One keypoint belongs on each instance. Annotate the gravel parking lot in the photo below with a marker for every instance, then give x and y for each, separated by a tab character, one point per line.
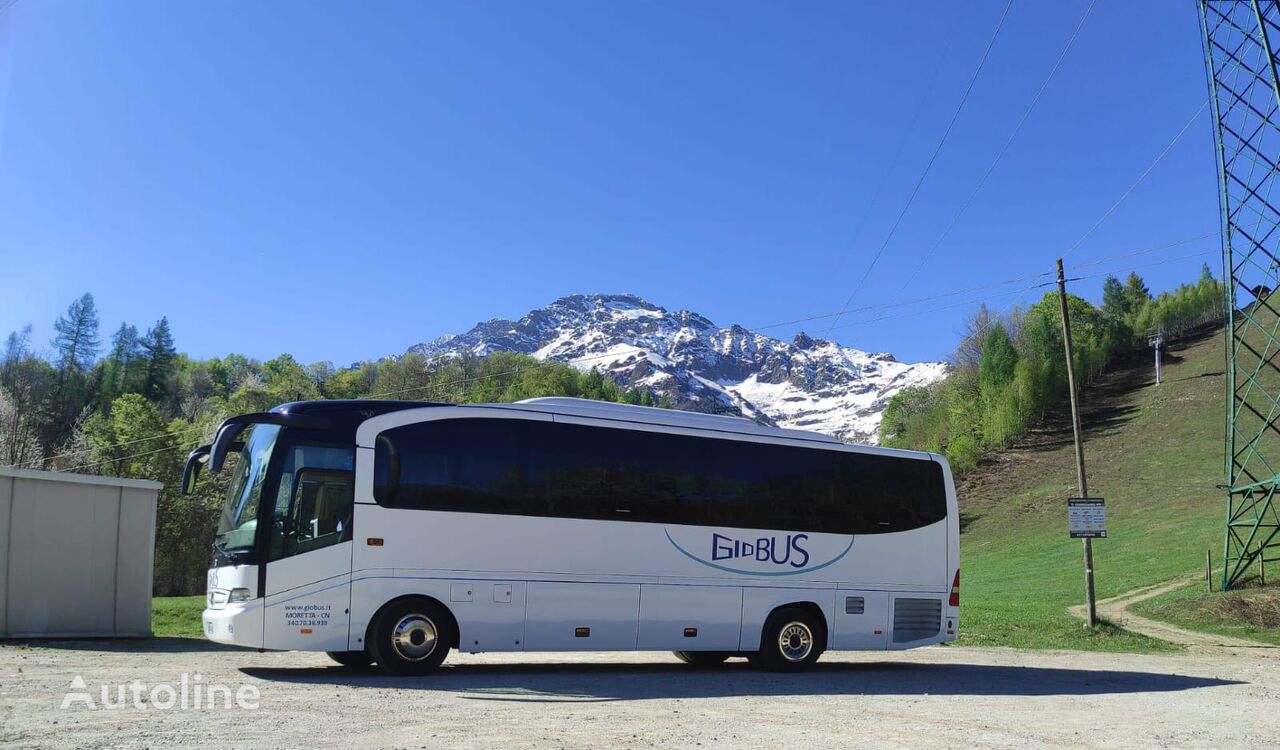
935	697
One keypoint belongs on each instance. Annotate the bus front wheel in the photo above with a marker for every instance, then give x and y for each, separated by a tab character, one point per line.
411	637
792	641
702	658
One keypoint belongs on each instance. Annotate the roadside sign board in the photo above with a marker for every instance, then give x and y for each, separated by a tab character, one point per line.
1086	517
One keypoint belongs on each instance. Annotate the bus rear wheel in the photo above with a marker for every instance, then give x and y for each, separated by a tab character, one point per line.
351	659
411	637
702	658
791	641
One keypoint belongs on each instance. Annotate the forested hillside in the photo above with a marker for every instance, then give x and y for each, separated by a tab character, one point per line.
1010	368
133	406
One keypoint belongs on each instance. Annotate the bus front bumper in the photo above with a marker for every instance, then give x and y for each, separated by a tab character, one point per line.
235	624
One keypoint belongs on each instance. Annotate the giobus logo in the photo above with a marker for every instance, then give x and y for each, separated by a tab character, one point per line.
760	554
777	550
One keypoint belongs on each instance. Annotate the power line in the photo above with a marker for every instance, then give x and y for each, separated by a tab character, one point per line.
916	301
1199	254
929	165
992	285
902	142
1107	214
1144	251
1004	148
122	458
1025	290
1132	187
46	459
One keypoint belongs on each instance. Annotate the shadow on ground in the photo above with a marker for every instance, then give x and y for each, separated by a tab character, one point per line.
164	645
554	683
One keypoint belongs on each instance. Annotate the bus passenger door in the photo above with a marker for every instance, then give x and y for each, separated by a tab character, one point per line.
308	578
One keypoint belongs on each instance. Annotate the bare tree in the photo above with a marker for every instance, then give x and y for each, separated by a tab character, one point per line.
972	333
77	451
19	443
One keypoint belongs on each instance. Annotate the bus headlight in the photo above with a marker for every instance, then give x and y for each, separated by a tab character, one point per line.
238	595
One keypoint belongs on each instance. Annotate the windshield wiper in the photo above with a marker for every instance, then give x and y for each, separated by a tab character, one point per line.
222	551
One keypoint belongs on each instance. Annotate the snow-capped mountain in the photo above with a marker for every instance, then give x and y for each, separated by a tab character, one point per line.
806	383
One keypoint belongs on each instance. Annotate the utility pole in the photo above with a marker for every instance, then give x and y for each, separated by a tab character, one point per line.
1156	342
1091	606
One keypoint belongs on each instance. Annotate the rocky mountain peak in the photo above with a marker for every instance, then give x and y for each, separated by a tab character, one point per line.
805	384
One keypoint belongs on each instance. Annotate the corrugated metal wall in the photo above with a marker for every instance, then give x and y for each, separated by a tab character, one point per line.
76	554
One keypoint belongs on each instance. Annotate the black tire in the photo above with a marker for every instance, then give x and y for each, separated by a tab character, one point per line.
351	659
702	658
792	640
411	637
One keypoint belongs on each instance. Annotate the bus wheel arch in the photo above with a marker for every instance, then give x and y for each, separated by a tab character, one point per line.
411	634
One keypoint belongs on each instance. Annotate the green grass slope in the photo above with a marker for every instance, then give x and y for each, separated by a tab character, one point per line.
1154	452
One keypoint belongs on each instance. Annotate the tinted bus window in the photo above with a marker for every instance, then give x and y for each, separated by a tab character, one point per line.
574	471
457	464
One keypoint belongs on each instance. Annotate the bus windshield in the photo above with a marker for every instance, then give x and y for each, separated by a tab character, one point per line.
239	521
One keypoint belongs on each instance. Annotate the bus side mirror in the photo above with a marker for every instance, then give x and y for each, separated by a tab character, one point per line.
191	469
189	477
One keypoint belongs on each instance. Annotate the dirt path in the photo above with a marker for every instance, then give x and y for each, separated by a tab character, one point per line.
1116	611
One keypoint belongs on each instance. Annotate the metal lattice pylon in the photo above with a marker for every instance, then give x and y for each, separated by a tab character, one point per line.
1244	91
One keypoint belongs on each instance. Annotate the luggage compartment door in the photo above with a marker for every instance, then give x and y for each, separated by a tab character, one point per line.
862	620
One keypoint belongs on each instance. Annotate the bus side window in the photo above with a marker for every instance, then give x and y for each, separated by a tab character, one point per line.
321	511
894	494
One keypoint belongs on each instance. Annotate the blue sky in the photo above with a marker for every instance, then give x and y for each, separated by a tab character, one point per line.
342	180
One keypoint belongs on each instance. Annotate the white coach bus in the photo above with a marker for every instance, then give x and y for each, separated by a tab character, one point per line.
391	532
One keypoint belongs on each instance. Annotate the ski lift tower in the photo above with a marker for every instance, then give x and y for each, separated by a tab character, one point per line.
1156	342
1244	92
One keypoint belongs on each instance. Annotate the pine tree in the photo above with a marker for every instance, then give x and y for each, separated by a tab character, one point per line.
76	346
121	372
593	386
999	359
1115	303
1136	293
159	353
1117	310
77	340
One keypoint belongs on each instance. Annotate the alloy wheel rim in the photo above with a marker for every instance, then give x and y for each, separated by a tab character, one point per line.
795	641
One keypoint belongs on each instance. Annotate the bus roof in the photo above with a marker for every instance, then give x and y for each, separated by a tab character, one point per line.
582	407
346	416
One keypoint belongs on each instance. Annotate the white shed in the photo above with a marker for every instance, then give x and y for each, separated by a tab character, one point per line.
76	554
